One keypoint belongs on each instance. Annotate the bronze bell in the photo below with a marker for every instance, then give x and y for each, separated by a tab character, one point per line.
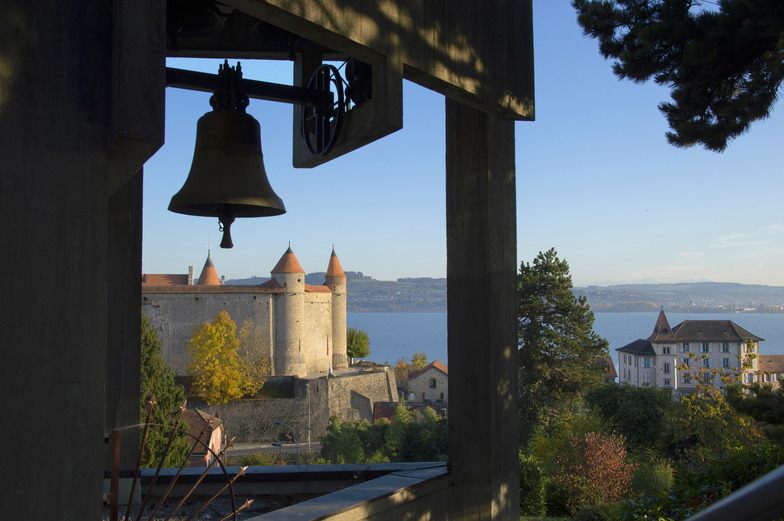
227	177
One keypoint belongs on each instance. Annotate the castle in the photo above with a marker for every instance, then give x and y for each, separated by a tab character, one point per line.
301	328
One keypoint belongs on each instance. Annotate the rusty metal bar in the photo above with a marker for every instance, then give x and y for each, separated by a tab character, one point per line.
203	474
248	502
154	480
179	471
218	493
150	404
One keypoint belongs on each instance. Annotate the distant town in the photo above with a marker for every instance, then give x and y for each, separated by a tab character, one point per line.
428	295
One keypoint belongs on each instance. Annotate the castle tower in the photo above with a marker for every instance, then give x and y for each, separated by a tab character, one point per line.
208	277
289	317
336	281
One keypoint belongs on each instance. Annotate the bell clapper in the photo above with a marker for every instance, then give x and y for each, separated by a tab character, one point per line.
224	225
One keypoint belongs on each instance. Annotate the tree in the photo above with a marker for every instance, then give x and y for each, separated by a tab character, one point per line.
557	348
636	412
217	370
724	66
592	470
418	361
403	367
357	343
157	379
253	351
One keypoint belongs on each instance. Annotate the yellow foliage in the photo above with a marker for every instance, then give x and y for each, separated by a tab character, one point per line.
219	374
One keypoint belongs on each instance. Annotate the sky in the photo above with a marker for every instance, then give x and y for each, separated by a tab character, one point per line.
596	180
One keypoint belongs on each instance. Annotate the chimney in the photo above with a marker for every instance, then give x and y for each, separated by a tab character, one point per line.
190	275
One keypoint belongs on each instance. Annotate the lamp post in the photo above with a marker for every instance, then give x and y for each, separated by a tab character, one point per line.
296	438
280	451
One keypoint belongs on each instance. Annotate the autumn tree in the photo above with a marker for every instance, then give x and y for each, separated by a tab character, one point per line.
591	470
557	347
403	367
357	343
418	361
157	380
253	352
724	66
218	372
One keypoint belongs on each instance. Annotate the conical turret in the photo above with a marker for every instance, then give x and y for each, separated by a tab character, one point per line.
662	331
335	280
208	277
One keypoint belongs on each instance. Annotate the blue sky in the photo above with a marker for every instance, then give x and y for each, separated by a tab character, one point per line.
596	180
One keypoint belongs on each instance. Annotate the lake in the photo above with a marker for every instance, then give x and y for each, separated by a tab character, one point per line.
397	335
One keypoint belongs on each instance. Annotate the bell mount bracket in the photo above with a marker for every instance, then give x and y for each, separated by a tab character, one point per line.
323	98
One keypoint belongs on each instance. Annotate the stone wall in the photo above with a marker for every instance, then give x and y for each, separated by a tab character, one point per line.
349	397
174	316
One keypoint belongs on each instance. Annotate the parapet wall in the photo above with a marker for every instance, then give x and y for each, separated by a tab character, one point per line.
349	397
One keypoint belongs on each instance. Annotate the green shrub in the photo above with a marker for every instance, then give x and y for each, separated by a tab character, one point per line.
531	486
653	478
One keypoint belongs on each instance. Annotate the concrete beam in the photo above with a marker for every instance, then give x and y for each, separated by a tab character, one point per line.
482	314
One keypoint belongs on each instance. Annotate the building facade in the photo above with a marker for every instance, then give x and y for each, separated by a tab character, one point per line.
300	328
661	359
429	384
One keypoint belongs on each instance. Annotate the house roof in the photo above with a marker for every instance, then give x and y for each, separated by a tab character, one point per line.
662	332
288	264
334	269
196	420
607	365
435	364
164	279
208	277
712	330
771	363
638	347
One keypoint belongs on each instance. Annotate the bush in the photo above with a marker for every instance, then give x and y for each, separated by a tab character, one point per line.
591	470
653	478
531	487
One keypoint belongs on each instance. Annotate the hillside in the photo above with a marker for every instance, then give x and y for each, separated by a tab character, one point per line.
424	294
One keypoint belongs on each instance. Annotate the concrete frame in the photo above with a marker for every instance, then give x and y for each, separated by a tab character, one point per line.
81	110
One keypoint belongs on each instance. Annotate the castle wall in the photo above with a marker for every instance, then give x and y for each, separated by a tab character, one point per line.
289	327
317	333
176	314
339	301
348	397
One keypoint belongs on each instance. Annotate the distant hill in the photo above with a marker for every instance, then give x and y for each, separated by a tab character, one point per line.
694	297
425	294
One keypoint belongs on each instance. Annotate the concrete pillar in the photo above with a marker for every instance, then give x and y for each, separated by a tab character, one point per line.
124	315
481	302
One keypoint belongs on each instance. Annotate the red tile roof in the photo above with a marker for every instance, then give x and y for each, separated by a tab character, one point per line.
209	277
435	364
164	279
288	264
771	363
334	269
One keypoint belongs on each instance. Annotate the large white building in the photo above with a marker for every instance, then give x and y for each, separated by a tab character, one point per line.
655	361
